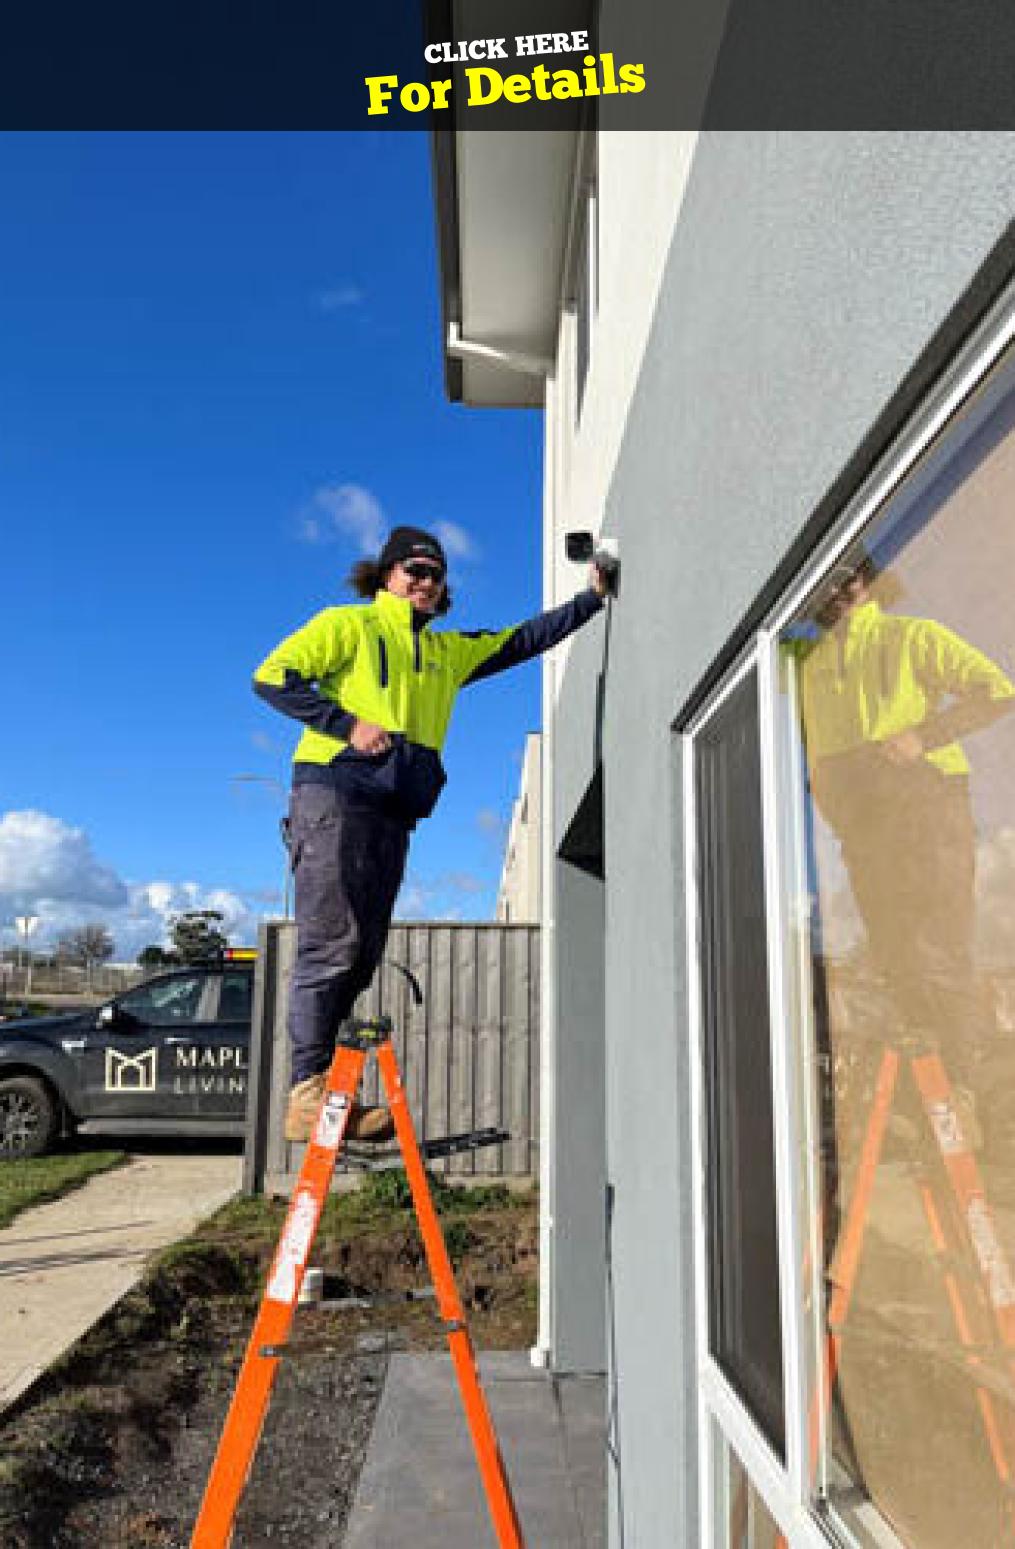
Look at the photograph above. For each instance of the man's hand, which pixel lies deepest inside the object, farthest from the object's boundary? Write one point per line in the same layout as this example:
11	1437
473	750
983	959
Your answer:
906	747
365	737
597	581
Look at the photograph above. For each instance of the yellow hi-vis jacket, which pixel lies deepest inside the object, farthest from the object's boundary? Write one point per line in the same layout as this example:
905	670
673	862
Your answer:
379	662
884	674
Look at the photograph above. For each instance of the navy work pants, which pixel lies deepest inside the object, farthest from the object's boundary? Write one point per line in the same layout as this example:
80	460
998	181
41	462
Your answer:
909	845
348	864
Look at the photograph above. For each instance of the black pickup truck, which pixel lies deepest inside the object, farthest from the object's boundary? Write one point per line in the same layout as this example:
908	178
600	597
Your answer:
168	1057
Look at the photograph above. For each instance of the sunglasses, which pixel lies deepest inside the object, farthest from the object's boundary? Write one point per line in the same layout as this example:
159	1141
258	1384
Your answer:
421	571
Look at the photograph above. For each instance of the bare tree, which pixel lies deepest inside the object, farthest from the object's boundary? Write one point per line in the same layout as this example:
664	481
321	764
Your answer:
85	946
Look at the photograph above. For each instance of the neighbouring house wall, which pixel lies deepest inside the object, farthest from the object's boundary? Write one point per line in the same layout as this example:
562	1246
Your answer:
806	274
518	895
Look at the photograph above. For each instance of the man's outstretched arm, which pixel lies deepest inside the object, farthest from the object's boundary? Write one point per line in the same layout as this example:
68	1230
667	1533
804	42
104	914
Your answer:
488	652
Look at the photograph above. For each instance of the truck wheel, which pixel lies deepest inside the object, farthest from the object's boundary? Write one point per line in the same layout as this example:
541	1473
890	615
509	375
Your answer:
28	1117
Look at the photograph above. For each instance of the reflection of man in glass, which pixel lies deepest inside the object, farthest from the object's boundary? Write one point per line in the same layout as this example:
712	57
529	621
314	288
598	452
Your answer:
885	700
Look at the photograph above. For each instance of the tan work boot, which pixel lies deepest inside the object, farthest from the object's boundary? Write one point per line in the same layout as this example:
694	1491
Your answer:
368	1126
304	1104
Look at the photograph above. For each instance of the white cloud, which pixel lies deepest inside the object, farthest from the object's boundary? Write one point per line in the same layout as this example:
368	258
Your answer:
458	544
451	895
42	858
462	882
339	298
351	511
157	896
493	824
48	868
153	904
344	511
412	902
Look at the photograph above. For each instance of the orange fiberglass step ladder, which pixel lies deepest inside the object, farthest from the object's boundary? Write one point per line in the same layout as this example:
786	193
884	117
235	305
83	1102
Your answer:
214	1526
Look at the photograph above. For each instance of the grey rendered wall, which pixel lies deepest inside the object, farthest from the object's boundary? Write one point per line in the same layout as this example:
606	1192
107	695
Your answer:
806	275
578	1316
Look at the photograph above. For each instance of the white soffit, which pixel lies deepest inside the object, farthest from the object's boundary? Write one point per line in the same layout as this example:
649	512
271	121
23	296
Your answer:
514	192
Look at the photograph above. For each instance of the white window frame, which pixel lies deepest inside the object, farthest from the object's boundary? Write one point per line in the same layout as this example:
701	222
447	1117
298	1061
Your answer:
973	378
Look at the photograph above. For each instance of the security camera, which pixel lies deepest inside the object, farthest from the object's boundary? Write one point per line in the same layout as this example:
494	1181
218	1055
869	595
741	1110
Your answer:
582	548
578	546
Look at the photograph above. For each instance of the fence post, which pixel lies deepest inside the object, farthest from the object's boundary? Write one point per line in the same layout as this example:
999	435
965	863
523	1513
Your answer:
275	948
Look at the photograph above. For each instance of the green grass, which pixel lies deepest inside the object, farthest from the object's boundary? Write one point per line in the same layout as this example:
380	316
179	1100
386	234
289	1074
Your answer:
383	1200
32	1181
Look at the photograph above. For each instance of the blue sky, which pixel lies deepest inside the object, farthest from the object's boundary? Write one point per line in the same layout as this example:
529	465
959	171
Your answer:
220	378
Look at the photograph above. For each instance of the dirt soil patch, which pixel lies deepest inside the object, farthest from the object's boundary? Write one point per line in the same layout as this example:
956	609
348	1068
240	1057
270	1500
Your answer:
114	1446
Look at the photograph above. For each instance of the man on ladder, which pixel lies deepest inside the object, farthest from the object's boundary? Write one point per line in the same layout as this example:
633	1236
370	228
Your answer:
374	685
884	702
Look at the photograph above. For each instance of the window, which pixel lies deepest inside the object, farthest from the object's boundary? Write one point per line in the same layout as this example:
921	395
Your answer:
897	693
586	293
744	1328
582	277
851	815
235	997
738	1509
164	1001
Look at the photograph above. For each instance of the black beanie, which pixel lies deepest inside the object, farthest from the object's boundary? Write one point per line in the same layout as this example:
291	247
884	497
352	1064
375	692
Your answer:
411	543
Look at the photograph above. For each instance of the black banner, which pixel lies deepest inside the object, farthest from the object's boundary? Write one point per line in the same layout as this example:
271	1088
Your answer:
518	64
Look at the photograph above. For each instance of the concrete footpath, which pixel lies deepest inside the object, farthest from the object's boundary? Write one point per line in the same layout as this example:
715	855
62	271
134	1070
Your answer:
64	1264
420	1484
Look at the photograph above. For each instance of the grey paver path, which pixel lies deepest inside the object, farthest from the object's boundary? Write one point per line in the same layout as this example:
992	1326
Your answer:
62	1265
420	1484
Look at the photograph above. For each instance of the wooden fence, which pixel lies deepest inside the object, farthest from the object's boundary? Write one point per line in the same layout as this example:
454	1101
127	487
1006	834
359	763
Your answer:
469	1054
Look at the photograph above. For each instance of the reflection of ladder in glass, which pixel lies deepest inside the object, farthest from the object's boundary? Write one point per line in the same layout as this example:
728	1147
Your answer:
962	1230
214	1526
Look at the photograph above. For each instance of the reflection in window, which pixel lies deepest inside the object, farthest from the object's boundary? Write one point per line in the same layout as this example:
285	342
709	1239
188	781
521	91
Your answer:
740	1519
897	700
